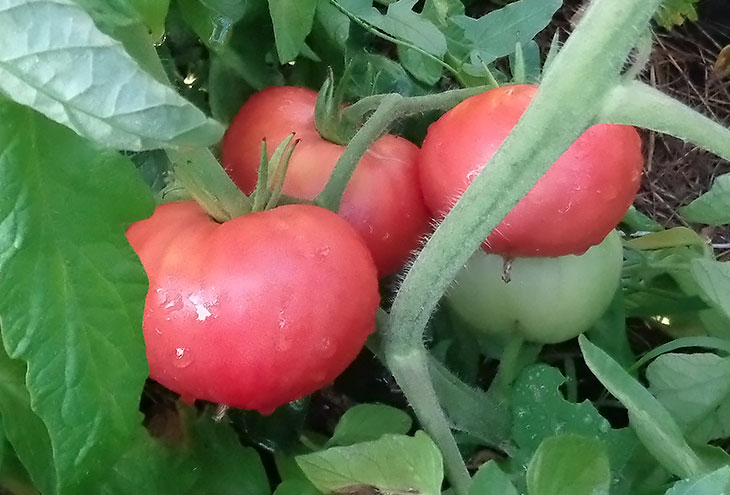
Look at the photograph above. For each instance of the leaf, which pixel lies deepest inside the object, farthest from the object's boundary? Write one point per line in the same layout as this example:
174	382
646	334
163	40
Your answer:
470	410
400	22
656	428
677	236
296	487
85	80
72	289
674	12
23	428
715	483
695	389
610	334
713	278
490	480
148	467
713	207
366	422
569	465
394	463
541	412
292	23
497	33
124	13
226	466
635	221
232	9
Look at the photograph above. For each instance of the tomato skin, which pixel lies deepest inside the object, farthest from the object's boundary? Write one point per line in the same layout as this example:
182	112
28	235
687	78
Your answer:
383	200
548	300
573	206
257	311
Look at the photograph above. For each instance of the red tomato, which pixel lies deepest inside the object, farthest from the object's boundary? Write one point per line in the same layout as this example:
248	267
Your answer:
574	206
383	200
255	312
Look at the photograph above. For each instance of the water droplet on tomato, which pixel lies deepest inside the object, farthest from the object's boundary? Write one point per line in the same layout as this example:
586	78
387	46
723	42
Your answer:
322	253
472	175
183	358
283	344
282	320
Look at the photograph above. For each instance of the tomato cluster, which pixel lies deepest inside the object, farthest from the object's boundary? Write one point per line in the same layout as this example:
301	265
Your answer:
268	307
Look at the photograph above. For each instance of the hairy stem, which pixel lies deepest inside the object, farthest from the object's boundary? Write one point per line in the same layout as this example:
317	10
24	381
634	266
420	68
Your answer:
638	104
564	107
206	181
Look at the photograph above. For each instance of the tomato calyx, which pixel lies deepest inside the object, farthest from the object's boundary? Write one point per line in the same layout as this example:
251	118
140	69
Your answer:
271	175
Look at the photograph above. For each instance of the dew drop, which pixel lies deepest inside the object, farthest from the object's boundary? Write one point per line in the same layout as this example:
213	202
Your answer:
321	253
183	358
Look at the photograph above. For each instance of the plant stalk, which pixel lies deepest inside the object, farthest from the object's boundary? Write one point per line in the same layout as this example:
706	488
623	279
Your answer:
565	106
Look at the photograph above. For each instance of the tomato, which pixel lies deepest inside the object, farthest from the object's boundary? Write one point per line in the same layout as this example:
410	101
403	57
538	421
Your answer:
573	206
257	311
547	300
383	200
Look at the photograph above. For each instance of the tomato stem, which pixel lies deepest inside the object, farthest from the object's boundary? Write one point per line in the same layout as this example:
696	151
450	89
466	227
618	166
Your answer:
564	107
638	104
413	368
509	364
206	181
388	108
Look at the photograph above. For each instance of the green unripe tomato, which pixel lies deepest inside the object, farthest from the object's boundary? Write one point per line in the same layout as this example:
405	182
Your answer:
547	300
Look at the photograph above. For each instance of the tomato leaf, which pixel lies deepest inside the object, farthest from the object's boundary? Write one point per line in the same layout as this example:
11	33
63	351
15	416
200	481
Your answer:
394	463
366	422
677	236
23	428
541	412
674	12
225	465
695	389
292	23
713	278
490	480
400	22
73	77
656	428
496	34
713	207
569	465
72	288
717	482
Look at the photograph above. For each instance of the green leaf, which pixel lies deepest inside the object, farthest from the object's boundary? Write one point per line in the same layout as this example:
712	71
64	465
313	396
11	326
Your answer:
635	221
713	207
677	236
674	12
366	422
656	428
713	278
23	428
292	23
715	483
149	467
296	487
72	289
226	467
541	412
471	410
695	389
85	80
153	13
610	334
490	480
232	9
569	465
125	13
394	463
400	22
497	33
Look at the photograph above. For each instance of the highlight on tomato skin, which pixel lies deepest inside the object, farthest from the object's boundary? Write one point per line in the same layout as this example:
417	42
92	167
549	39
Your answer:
255	312
383	200
547	300
581	198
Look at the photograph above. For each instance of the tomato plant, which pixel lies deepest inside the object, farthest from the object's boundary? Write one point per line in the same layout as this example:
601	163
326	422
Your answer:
573	206
257	311
547	300
383	200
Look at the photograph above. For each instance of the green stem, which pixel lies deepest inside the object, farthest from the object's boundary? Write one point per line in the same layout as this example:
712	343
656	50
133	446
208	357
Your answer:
413	368
206	181
638	104
375	127
509	364
388	108
564	107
